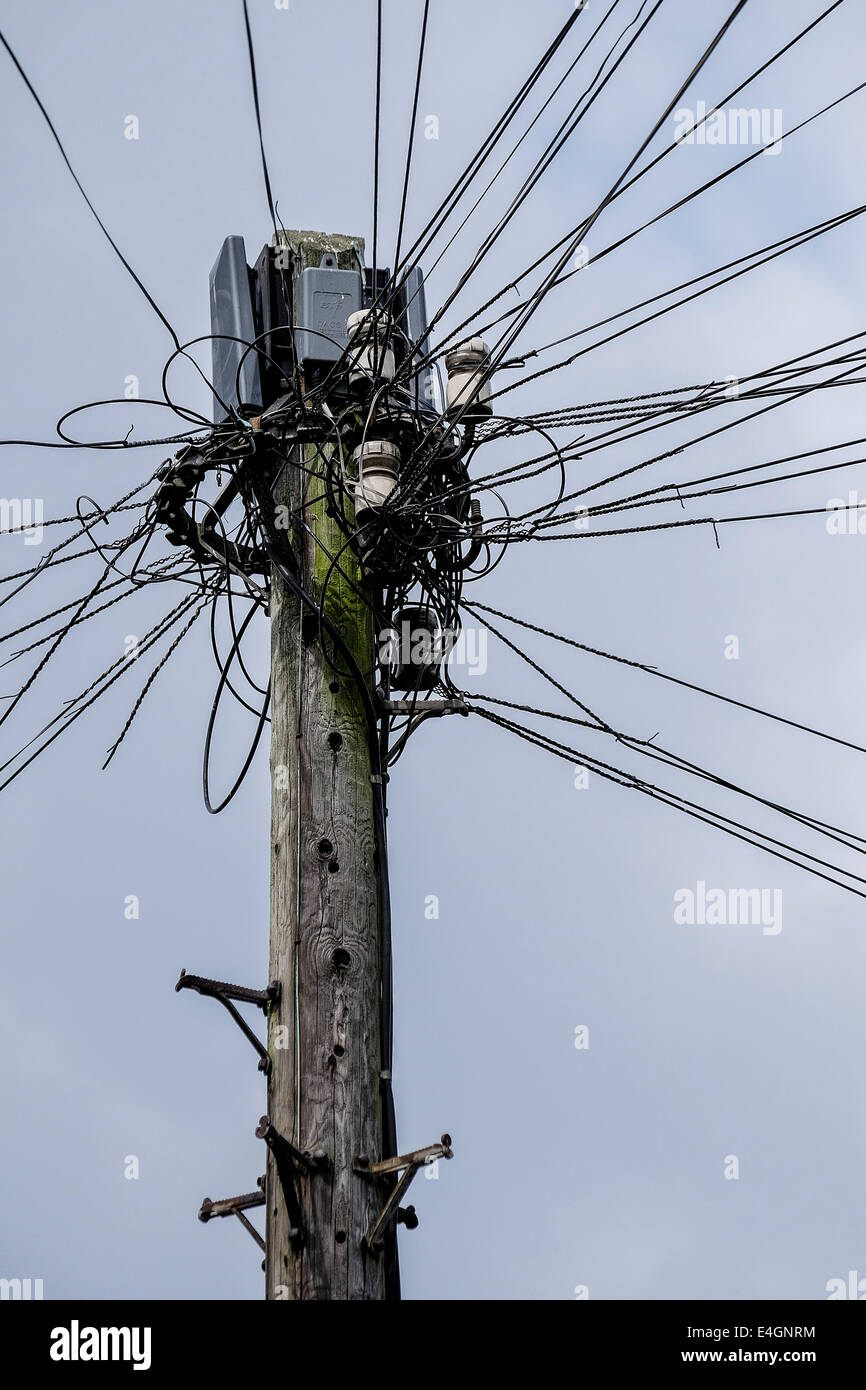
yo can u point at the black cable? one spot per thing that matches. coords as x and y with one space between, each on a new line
789 243
255 87
476 163
665 676
205 782
554 147
412 121
523 137
593 446
69 715
736 829
377 123
569 235
148 684
501 349
109 238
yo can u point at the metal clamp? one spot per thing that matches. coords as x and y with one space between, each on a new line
225 993
383 1168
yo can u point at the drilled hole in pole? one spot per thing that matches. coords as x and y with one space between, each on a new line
335 741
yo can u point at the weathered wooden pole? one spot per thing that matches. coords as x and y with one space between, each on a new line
325 1033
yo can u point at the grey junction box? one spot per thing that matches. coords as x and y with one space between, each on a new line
326 297
232 318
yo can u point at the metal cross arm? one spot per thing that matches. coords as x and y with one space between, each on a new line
409 1164
418 711
428 708
416 1159
225 993
236 1206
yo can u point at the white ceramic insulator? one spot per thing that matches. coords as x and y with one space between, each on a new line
378 465
370 357
469 390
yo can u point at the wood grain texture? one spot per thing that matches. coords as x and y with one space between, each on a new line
325 1034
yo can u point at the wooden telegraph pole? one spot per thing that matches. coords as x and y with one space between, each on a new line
326 1093
334 1180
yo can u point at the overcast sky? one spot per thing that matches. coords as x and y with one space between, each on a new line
605 1168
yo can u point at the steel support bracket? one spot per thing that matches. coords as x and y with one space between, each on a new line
236 1206
407 1165
224 992
430 708
418 711
290 1163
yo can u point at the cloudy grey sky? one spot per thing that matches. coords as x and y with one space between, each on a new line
602 1167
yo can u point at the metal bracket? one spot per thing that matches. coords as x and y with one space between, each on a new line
418 711
206 538
288 1160
409 1163
225 992
430 708
236 1206
242 557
